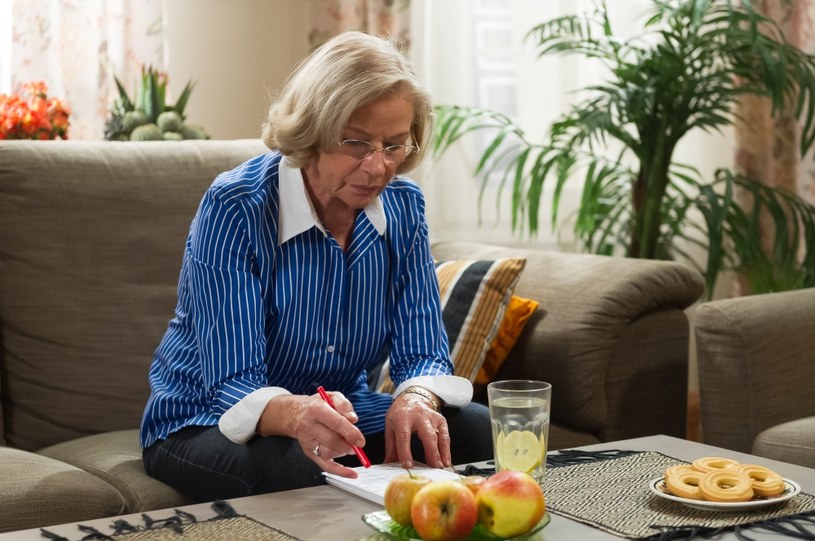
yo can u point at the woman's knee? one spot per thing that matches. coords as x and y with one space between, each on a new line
201 477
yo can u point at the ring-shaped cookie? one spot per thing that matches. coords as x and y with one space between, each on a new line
685 484
726 486
766 482
712 463
678 468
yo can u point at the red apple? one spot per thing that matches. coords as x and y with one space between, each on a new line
444 511
510 503
473 482
399 495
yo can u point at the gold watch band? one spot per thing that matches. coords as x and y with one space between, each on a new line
424 394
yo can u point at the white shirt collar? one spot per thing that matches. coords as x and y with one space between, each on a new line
296 211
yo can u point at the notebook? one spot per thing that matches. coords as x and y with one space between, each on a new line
373 481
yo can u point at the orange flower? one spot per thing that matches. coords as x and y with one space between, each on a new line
33 115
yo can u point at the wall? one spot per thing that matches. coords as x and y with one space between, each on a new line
238 53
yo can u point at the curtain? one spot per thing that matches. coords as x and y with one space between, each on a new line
766 146
77 46
378 17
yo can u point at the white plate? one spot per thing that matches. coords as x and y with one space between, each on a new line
791 489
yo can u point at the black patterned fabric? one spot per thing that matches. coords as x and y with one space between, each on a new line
609 491
226 525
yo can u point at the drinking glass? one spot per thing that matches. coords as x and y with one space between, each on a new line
519 412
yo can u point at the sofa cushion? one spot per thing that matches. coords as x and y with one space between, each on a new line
91 238
116 458
519 310
570 341
37 491
474 298
793 442
563 437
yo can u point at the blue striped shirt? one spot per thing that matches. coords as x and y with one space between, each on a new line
253 312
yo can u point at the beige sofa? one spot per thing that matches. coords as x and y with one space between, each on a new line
756 359
90 247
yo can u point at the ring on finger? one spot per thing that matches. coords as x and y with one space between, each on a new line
316 450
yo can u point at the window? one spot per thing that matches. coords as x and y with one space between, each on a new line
472 52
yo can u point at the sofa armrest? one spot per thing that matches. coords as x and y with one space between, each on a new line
756 369
610 335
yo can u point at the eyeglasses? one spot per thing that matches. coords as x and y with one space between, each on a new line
359 150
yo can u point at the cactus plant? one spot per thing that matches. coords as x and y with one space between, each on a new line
149 109
170 121
147 132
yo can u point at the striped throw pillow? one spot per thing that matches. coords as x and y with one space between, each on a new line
474 297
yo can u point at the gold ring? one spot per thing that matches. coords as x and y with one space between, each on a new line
316 450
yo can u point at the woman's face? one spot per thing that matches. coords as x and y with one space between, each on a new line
337 181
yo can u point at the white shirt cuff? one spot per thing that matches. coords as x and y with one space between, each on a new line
240 421
454 390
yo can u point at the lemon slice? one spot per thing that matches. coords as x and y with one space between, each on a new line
500 443
519 450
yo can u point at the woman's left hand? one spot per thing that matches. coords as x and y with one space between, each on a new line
410 413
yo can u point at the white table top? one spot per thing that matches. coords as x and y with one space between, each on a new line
320 513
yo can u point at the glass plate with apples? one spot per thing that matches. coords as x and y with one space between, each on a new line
383 523
507 505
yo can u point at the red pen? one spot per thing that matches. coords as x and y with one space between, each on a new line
363 458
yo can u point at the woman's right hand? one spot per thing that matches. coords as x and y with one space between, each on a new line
323 432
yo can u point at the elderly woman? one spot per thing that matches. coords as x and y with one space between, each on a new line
306 267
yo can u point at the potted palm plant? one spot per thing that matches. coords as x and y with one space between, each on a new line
694 60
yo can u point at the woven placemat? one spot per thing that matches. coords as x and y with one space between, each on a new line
610 492
226 525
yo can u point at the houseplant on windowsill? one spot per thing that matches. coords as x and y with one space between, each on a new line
693 61
149 116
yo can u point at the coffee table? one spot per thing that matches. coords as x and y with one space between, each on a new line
325 512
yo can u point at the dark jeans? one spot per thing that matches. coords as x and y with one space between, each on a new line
204 464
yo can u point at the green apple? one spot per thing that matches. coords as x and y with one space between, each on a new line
510 503
444 511
399 495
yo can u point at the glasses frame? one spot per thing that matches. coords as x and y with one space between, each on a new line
409 149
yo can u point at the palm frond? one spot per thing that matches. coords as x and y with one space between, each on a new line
688 71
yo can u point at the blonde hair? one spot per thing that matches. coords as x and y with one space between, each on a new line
347 72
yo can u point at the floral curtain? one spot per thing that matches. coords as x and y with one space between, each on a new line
767 147
77 46
378 17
